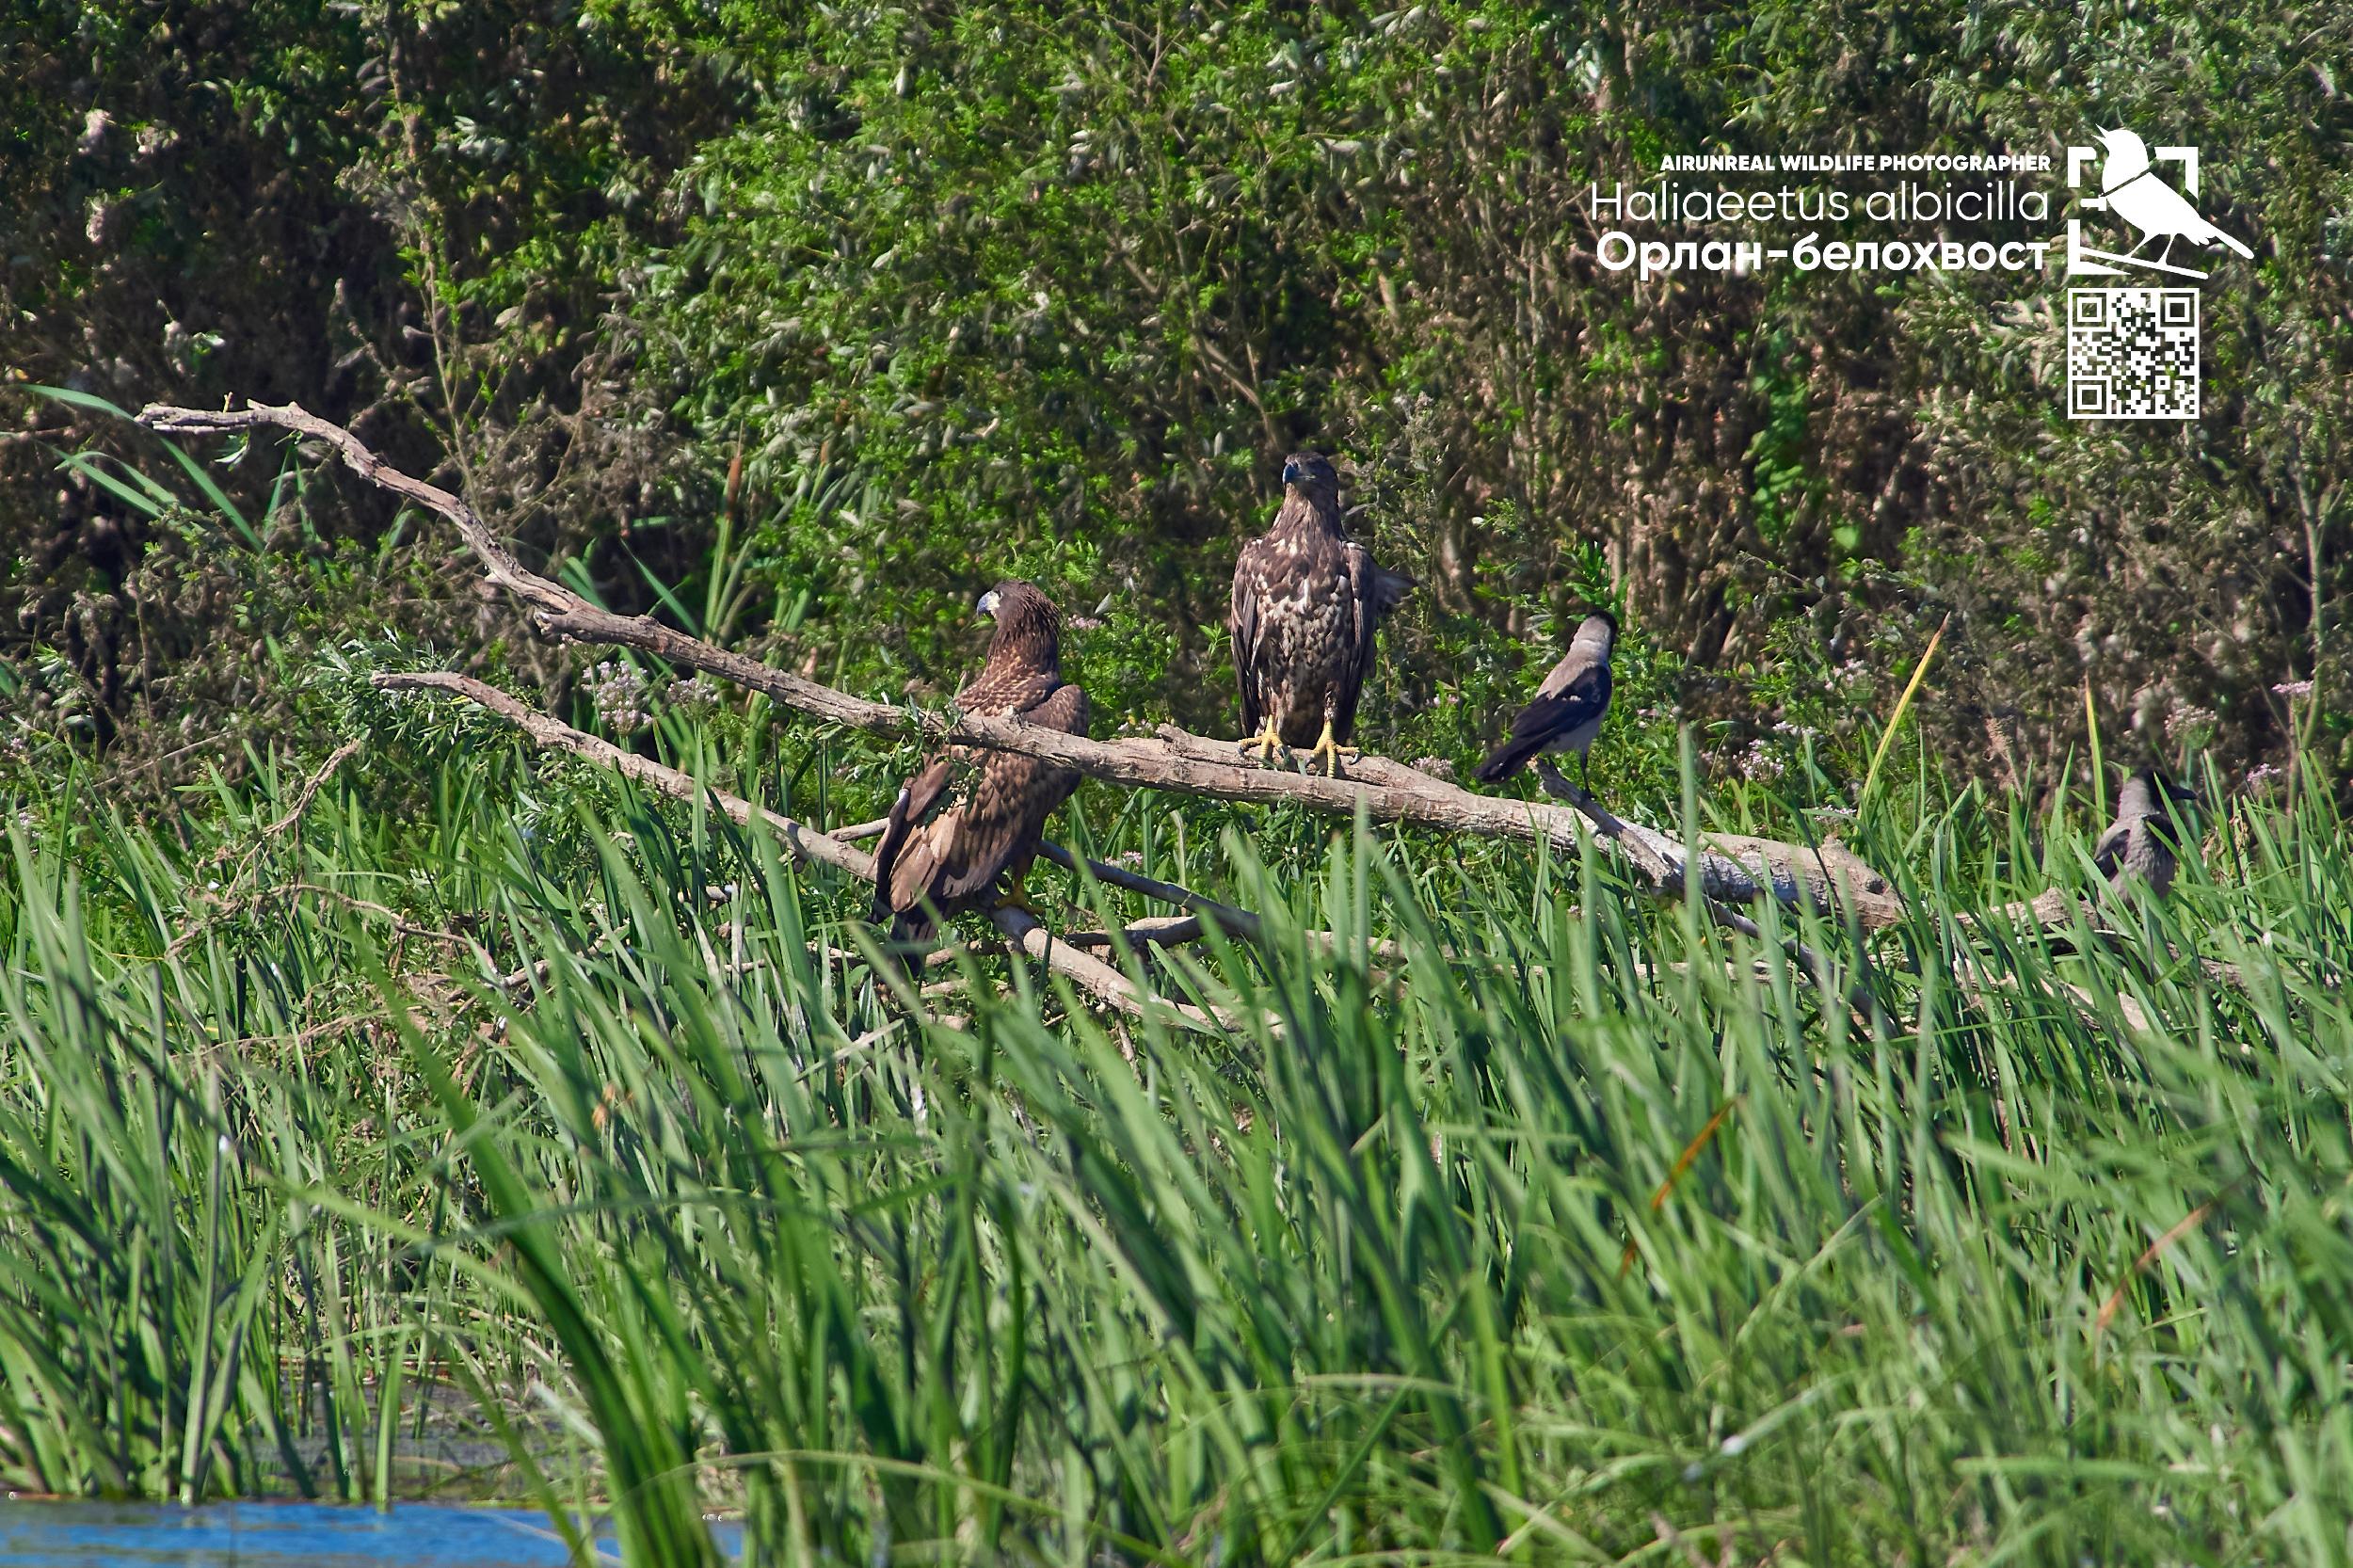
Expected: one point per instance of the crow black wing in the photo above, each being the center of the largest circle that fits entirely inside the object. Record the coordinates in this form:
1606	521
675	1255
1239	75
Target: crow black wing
1557	712
2107	856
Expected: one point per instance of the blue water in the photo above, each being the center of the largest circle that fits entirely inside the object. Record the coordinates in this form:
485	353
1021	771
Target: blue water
278	1535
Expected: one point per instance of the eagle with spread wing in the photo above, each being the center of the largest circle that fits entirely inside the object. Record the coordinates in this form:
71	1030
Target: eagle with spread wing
973	815
1569	706
1307	600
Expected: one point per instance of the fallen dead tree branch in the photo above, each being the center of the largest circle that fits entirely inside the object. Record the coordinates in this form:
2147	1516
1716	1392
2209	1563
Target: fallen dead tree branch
1737	868
1732	871
1021	930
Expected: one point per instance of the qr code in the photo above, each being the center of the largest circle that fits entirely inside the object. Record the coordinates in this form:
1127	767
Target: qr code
2132	353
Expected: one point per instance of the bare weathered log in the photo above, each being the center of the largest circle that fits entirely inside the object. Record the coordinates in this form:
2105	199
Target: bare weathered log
1732	871
1737	868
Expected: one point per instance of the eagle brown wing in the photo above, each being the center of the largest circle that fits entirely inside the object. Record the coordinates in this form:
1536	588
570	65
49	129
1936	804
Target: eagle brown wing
1373	591
1246	625
946	846
911	816
1005	816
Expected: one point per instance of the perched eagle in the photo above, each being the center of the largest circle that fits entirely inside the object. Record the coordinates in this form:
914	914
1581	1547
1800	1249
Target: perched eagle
945	846
1307	600
2141	842
1569	706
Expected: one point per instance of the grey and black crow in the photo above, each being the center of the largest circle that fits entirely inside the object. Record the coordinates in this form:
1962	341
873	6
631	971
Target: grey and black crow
2142	840
1569	706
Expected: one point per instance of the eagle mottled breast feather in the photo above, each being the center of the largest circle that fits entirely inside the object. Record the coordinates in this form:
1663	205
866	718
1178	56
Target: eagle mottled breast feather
1307	603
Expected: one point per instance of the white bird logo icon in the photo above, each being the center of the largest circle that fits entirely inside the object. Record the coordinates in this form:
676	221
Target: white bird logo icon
2132	190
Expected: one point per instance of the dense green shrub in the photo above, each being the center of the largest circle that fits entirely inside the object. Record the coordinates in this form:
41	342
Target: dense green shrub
904	299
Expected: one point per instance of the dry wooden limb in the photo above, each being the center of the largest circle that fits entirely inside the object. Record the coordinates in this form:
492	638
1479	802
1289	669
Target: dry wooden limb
1859	995
1161	931
1233	921
1733	870
1980	987
241	903
1021	930
312	786
1737	868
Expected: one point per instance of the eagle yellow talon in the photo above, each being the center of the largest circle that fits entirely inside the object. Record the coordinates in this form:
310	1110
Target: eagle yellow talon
1016	896
1331	750
1267	743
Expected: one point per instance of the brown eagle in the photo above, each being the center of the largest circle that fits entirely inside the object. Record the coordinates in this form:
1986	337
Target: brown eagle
1307	600
945	846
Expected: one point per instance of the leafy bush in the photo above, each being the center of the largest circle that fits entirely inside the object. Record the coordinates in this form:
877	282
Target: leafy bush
902	301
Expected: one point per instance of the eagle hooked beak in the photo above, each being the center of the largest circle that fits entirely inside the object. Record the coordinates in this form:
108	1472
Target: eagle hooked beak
988	606
1290	473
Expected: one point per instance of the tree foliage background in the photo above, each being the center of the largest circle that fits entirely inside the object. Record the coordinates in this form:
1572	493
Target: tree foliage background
803	323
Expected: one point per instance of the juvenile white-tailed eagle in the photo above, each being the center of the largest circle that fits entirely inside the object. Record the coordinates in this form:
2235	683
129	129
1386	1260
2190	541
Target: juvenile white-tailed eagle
1307	600
973	815
1569	706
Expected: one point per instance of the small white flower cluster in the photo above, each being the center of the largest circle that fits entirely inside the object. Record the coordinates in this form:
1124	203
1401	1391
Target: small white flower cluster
1130	858
1082	623
618	693
2293	689
2269	773
1765	759
1759	761
698	695
2188	720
